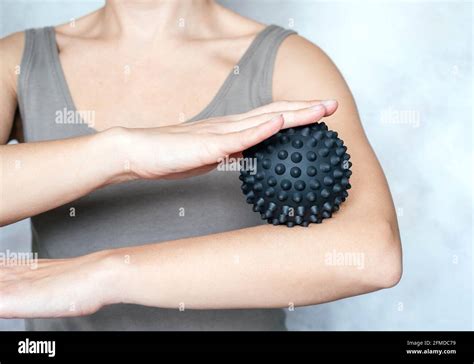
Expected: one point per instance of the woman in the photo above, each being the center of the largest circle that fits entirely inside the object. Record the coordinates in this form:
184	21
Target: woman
133	227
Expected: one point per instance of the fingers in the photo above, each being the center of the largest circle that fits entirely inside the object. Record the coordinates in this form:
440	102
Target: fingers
291	119
192	172
262	114
331	107
282	106
238	141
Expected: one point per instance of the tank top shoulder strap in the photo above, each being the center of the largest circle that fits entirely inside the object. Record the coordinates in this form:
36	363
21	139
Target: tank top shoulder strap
40	91
258	64
36	57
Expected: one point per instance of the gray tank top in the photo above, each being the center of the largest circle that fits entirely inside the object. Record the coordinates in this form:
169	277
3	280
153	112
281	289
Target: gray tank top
141	212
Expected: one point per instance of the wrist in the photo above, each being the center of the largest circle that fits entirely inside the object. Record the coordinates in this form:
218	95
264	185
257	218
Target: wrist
128	276
110	273
114	145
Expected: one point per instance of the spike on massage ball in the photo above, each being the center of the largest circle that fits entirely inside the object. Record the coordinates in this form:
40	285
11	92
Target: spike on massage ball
301	177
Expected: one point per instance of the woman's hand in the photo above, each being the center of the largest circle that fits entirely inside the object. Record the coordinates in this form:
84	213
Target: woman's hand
57	287
193	148
83	164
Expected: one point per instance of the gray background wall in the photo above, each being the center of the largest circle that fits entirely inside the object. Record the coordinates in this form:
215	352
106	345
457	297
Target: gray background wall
409	65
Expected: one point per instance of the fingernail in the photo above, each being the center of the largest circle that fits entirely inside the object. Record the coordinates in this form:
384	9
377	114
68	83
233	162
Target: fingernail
329	103
318	107
275	118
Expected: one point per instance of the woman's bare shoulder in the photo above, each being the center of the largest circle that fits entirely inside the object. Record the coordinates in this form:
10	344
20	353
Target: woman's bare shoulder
303	70
11	51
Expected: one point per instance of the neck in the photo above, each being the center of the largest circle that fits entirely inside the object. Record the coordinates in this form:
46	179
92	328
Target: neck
157	19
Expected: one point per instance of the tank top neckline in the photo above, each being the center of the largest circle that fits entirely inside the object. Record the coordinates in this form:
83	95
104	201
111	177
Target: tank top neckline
207	110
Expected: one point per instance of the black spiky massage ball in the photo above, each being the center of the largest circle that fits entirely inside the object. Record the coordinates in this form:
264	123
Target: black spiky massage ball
301	175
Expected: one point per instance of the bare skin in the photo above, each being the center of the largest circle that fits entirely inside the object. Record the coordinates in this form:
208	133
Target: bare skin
277	266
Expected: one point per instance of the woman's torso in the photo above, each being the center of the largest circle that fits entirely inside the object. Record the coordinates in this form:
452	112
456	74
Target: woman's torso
142	212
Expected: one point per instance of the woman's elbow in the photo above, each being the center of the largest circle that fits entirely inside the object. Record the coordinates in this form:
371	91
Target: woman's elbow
387	267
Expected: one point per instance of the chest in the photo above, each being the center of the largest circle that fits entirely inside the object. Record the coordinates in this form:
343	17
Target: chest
149	89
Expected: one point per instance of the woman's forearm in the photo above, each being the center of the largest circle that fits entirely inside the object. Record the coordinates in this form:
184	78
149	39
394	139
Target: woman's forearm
36	177
263	266
258	267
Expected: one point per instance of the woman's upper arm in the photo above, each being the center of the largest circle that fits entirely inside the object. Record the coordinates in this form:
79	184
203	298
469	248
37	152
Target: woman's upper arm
11	50
303	71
